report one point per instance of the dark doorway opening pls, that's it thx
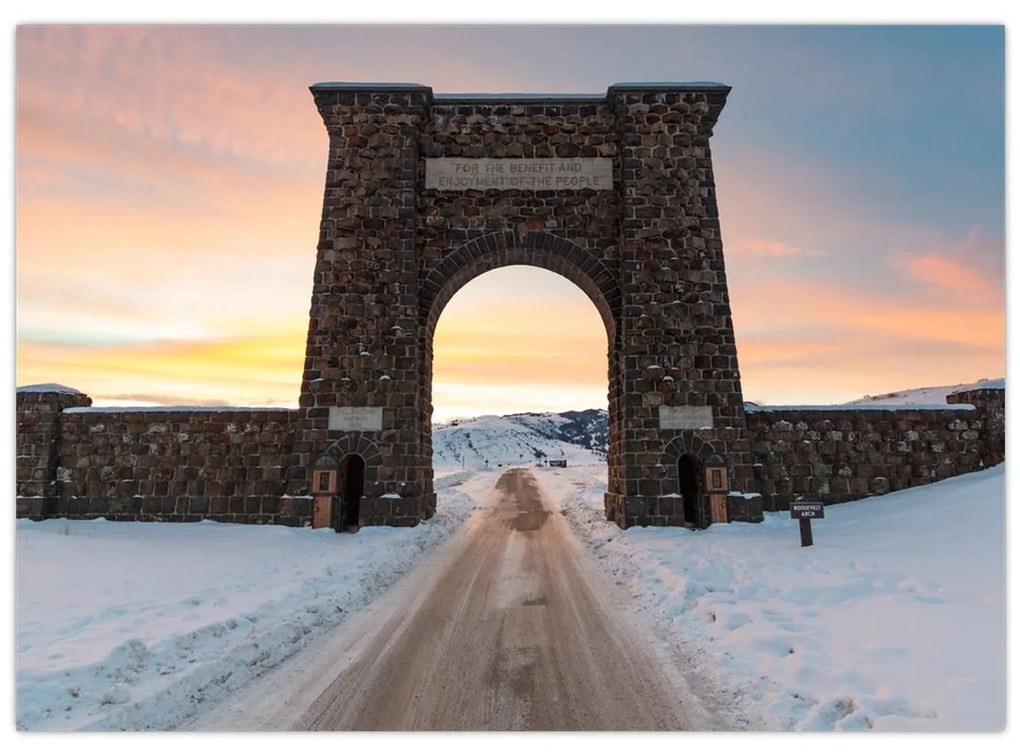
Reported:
(352, 486)
(688, 470)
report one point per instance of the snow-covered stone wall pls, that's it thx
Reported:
(840, 454)
(242, 465)
(159, 464)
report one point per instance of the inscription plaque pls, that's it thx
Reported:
(684, 417)
(538, 174)
(355, 418)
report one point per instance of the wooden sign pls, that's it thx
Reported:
(810, 510)
(805, 511)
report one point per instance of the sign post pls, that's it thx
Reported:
(805, 512)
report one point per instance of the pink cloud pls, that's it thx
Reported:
(769, 248)
(951, 269)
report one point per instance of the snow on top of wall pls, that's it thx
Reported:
(48, 388)
(367, 85)
(483, 96)
(202, 409)
(858, 407)
(668, 85)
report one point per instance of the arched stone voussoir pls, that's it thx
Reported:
(538, 249)
(355, 443)
(686, 442)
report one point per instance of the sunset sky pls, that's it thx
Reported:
(169, 185)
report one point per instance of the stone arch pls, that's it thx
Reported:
(685, 443)
(637, 231)
(688, 447)
(536, 248)
(361, 445)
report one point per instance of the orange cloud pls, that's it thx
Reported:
(767, 248)
(951, 270)
(823, 343)
(946, 273)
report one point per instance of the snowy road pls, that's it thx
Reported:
(508, 627)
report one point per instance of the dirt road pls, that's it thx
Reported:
(512, 629)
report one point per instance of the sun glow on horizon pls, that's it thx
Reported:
(518, 339)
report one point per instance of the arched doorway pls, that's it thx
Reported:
(689, 476)
(515, 339)
(351, 488)
(583, 268)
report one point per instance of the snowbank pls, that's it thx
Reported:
(893, 620)
(132, 625)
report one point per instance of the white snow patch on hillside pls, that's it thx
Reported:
(133, 625)
(929, 396)
(893, 620)
(500, 442)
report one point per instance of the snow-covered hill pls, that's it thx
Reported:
(932, 395)
(520, 439)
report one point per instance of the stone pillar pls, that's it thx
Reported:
(362, 349)
(990, 404)
(678, 355)
(38, 443)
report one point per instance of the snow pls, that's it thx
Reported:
(48, 388)
(893, 620)
(497, 96)
(198, 409)
(923, 399)
(133, 624)
(669, 85)
(366, 85)
(934, 395)
(875, 407)
(494, 442)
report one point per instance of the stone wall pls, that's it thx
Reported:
(240, 465)
(834, 454)
(991, 403)
(177, 465)
(37, 442)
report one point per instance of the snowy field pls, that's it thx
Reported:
(131, 625)
(893, 620)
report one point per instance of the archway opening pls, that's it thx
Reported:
(515, 341)
(351, 488)
(689, 476)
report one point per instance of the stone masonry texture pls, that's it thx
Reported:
(391, 253)
(177, 466)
